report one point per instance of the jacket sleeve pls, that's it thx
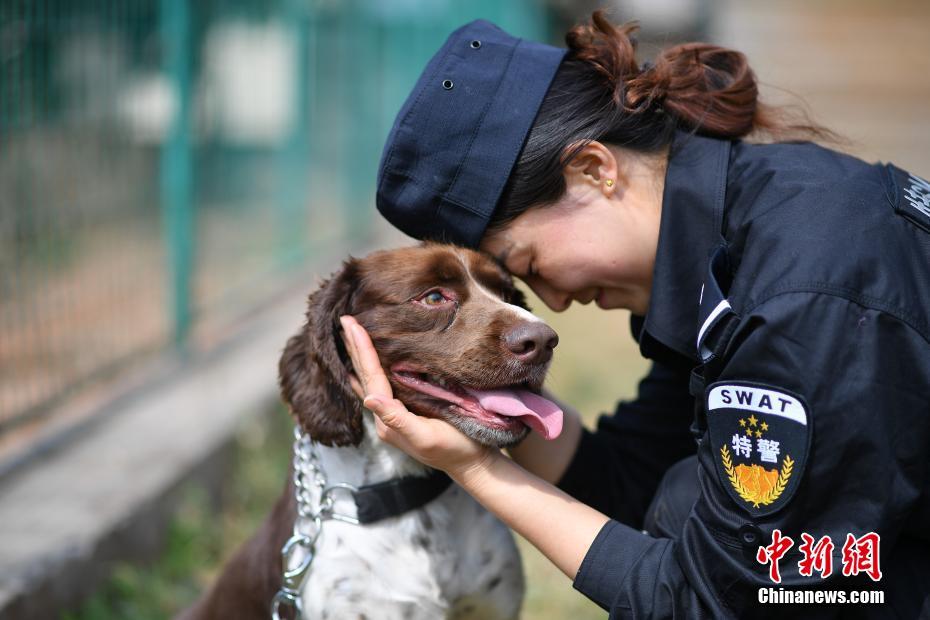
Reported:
(617, 468)
(864, 378)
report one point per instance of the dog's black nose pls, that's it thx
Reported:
(532, 342)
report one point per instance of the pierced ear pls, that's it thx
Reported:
(314, 369)
(592, 162)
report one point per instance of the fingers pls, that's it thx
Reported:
(354, 382)
(396, 425)
(356, 386)
(349, 342)
(365, 359)
(391, 413)
(431, 441)
(390, 421)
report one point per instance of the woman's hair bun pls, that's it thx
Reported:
(708, 88)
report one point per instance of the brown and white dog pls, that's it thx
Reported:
(458, 343)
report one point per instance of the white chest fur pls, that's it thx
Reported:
(449, 559)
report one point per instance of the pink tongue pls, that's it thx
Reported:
(541, 415)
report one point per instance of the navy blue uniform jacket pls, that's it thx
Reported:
(789, 328)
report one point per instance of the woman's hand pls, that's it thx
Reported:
(530, 506)
(430, 441)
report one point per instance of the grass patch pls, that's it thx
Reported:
(199, 539)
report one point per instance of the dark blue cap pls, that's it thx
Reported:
(458, 135)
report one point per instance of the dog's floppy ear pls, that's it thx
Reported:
(313, 371)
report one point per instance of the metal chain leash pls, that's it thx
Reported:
(298, 552)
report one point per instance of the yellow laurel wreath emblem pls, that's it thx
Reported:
(756, 494)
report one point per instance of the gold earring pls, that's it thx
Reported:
(609, 182)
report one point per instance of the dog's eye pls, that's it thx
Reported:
(434, 298)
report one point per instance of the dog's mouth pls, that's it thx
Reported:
(498, 406)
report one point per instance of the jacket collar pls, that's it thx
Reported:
(690, 229)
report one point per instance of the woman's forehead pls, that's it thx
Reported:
(515, 237)
(498, 243)
(506, 249)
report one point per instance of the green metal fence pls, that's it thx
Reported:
(164, 163)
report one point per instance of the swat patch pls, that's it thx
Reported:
(913, 196)
(760, 436)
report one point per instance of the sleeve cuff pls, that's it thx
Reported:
(609, 560)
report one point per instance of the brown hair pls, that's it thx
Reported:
(601, 93)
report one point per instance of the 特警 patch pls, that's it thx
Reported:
(760, 436)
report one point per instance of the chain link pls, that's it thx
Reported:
(308, 526)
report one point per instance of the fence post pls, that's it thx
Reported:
(294, 154)
(360, 57)
(176, 178)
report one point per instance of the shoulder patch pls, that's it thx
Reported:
(912, 198)
(760, 436)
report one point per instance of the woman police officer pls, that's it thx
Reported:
(779, 289)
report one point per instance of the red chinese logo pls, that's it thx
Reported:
(772, 553)
(817, 557)
(860, 555)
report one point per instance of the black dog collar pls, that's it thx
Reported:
(397, 496)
